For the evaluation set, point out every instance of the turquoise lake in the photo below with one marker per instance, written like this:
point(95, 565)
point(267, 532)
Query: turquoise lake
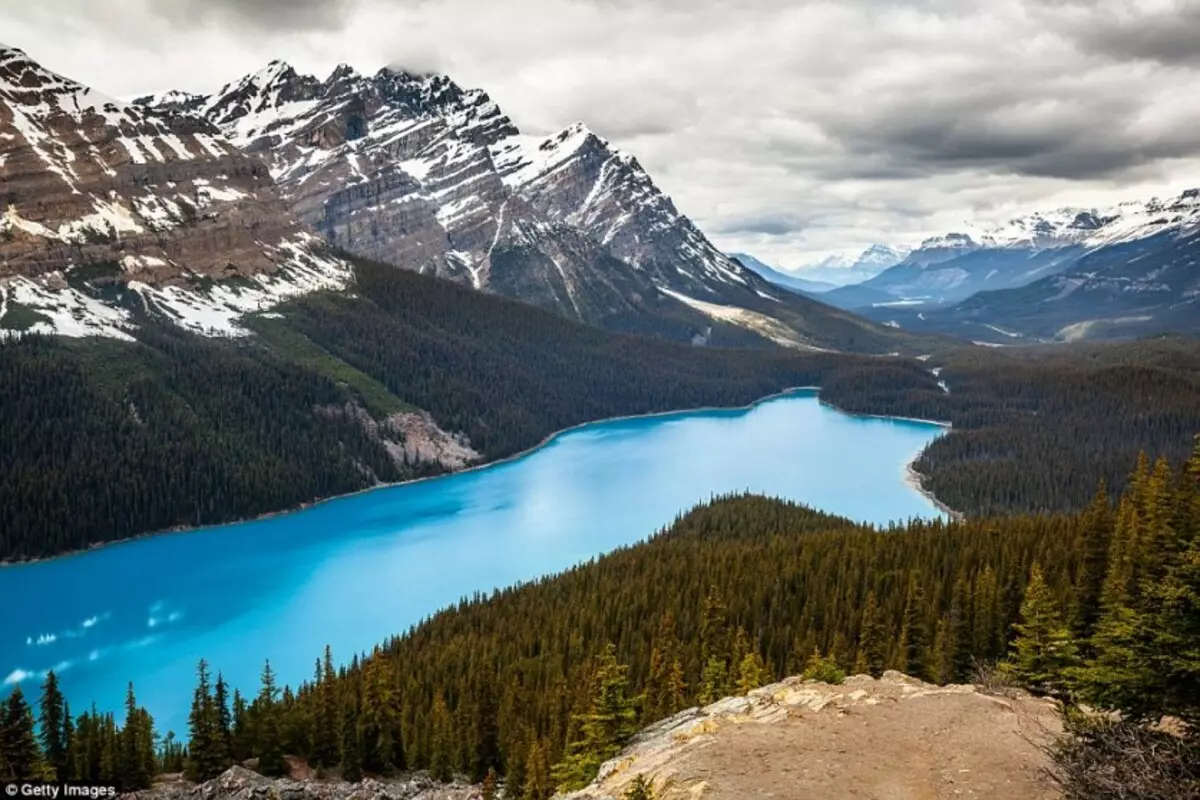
point(351, 572)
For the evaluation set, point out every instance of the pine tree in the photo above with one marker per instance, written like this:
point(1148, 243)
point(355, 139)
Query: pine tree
point(268, 742)
point(136, 743)
point(713, 681)
point(54, 727)
point(17, 739)
point(351, 745)
point(822, 668)
point(871, 637)
point(751, 673)
point(665, 688)
point(441, 755)
point(325, 721)
point(206, 753)
point(1042, 651)
point(224, 716)
point(914, 635)
point(72, 745)
point(1095, 537)
point(608, 723)
point(538, 779)
point(379, 718)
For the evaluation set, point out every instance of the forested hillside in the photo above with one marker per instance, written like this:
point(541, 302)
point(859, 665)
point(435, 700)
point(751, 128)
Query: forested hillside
point(544, 681)
point(108, 439)
point(1035, 427)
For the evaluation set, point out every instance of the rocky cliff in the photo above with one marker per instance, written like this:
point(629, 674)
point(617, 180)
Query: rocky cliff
point(112, 210)
point(890, 738)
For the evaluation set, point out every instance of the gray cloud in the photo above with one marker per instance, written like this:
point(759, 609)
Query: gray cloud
point(786, 129)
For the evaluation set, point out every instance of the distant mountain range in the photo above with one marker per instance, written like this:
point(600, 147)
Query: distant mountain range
point(202, 208)
point(782, 278)
point(1070, 274)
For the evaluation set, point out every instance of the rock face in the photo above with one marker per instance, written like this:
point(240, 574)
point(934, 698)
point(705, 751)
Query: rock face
point(890, 738)
point(415, 171)
point(239, 783)
point(105, 202)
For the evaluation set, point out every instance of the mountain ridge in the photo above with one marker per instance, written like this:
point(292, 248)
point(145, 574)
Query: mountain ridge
point(420, 173)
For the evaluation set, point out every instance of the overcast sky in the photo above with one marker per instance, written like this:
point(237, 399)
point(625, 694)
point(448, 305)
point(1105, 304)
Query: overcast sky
point(784, 129)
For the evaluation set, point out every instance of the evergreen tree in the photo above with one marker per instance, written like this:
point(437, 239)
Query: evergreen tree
point(72, 745)
point(914, 637)
point(1042, 651)
point(713, 681)
point(326, 720)
point(351, 745)
point(822, 668)
point(54, 727)
point(751, 673)
point(206, 753)
point(441, 755)
point(137, 762)
point(538, 785)
point(268, 745)
point(608, 723)
point(17, 740)
point(379, 719)
point(665, 688)
point(224, 714)
point(1095, 538)
point(871, 637)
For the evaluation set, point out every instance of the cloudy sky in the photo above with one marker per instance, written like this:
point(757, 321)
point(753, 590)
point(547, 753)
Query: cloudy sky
point(785, 129)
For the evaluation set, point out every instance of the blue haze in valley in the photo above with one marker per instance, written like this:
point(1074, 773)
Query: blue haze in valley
point(353, 571)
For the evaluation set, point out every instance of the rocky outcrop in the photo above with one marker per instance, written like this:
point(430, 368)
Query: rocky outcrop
point(239, 783)
point(895, 737)
point(104, 201)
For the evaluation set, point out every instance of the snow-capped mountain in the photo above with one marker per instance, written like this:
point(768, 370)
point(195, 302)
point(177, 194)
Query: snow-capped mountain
point(950, 268)
point(844, 270)
point(113, 211)
point(418, 172)
point(1136, 272)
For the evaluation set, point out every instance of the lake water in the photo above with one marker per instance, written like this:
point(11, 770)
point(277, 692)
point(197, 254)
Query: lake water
point(353, 571)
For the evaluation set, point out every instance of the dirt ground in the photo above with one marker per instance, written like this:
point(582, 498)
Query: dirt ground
point(876, 740)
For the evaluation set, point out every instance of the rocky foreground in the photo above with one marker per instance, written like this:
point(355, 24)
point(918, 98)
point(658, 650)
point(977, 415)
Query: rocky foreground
point(895, 738)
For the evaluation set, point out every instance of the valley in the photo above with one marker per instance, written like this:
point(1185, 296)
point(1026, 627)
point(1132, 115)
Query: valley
point(352, 571)
point(433, 456)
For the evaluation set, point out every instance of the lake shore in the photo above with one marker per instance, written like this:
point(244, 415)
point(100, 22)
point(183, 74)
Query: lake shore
point(913, 482)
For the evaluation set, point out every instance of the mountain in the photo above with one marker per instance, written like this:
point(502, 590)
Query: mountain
point(842, 270)
point(948, 269)
point(113, 211)
point(418, 172)
point(782, 278)
point(1131, 271)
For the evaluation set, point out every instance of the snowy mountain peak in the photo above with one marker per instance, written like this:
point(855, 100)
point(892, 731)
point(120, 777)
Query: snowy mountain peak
point(106, 199)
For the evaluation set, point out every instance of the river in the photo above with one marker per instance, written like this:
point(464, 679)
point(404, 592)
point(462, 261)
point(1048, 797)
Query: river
point(352, 571)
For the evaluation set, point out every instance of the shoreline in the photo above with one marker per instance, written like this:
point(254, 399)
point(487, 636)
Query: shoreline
point(912, 478)
point(546, 441)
